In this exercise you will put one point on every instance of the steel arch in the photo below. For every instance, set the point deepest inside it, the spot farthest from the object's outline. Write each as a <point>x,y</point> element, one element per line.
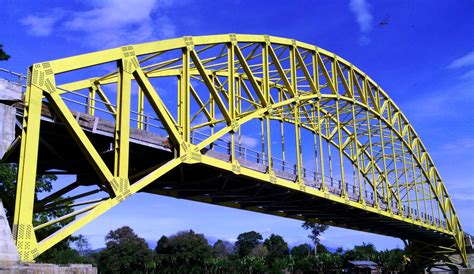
<point>277,79</point>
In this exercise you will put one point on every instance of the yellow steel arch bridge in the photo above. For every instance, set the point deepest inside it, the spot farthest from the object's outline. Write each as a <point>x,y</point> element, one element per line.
<point>255,122</point>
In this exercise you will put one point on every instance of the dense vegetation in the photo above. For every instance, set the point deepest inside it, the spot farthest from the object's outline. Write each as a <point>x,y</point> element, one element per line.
<point>190,252</point>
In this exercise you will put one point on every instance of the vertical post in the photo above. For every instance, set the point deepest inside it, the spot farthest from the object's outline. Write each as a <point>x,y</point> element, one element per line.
<point>397,180</point>
<point>212,110</point>
<point>385,174</point>
<point>296,111</point>
<point>239,111</point>
<point>357,151</point>
<point>372,163</point>
<point>262,132</point>
<point>141,108</point>
<point>321,155</point>
<point>91,101</point>
<point>27,167</point>
<point>315,140</point>
<point>231,89</point>
<point>329,151</point>
<point>415,184</point>
<point>341,156</point>
<point>266,93</point>
<point>282,129</point>
<point>407,188</point>
<point>184,108</point>
<point>122,124</point>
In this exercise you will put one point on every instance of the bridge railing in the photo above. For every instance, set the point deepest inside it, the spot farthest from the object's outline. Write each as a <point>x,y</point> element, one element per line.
<point>100,108</point>
<point>13,77</point>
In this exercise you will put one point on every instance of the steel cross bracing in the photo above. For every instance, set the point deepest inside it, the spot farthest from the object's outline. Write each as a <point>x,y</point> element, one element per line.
<point>319,126</point>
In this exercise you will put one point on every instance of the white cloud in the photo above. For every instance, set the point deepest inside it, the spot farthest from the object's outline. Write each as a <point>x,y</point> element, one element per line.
<point>40,26</point>
<point>108,23</point>
<point>463,196</point>
<point>361,10</point>
<point>248,141</point>
<point>461,145</point>
<point>468,74</point>
<point>464,61</point>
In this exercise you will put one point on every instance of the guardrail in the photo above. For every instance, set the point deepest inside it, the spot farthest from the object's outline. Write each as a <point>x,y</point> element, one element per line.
<point>311,178</point>
<point>13,77</point>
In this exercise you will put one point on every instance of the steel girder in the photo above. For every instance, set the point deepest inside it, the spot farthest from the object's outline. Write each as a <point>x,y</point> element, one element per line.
<point>226,82</point>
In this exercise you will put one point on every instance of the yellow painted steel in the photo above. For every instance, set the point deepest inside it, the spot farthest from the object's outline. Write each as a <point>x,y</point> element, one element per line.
<point>351,120</point>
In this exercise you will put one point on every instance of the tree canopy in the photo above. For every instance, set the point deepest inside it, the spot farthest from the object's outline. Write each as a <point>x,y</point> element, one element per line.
<point>316,231</point>
<point>125,252</point>
<point>3,55</point>
<point>246,242</point>
<point>221,249</point>
<point>276,246</point>
<point>185,251</point>
<point>61,252</point>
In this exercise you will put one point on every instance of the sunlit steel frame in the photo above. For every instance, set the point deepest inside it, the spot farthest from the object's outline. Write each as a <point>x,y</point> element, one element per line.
<point>351,93</point>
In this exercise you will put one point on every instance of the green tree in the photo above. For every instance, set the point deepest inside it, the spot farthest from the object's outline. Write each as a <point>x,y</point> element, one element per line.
<point>316,231</point>
<point>246,242</point>
<point>339,251</point>
<point>276,246</point>
<point>307,264</point>
<point>259,251</point>
<point>328,262</point>
<point>125,252</point>
<point>321,249</point>
<point>59,253</point>
<point>251,264</point>
<point>221,249</point>
<point>184,252</point>
<point>82,245</point>
<point>364,252</point>
<point>392,260</point>
<point>3,55</point>
<point>301,251</point>
<point>277,258</point>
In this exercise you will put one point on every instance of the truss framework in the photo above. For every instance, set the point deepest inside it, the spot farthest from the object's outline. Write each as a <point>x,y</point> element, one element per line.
<point>225,82</point>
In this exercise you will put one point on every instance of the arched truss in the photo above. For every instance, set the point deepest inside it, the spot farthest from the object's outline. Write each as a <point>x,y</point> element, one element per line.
<point>341,118</point>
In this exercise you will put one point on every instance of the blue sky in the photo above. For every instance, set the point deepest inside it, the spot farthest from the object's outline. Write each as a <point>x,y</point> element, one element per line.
<point>420,52</point>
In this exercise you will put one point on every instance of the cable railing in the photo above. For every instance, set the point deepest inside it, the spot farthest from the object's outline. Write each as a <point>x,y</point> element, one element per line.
<point>13,77</point>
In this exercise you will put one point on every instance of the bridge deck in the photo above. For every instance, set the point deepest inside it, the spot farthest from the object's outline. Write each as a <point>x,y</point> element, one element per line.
<point>214,185</point>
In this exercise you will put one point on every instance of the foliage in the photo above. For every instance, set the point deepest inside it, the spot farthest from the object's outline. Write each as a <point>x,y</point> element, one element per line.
<point>324,262</point>
<point>3,55</point>
<point>364,252</point>
<point>277,258</point>
<point>82,245</point>
<point>8,176</point>
<point>221,265</point>
<point>61,252</point>
<point>246,242</point>
<point>392,260</point>
<point>259,251</point>
<point>125,252</point>
<point>316,231</point>
<point>222,249</point>
<point>301,251</point>
<point>188,252</point>
<point>276,246</point>
<point>183,252</point>
<point>251,264</point>
<point>321,249</point>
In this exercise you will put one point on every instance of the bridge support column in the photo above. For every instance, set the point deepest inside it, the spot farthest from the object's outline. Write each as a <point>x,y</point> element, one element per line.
<point>23,219</point>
